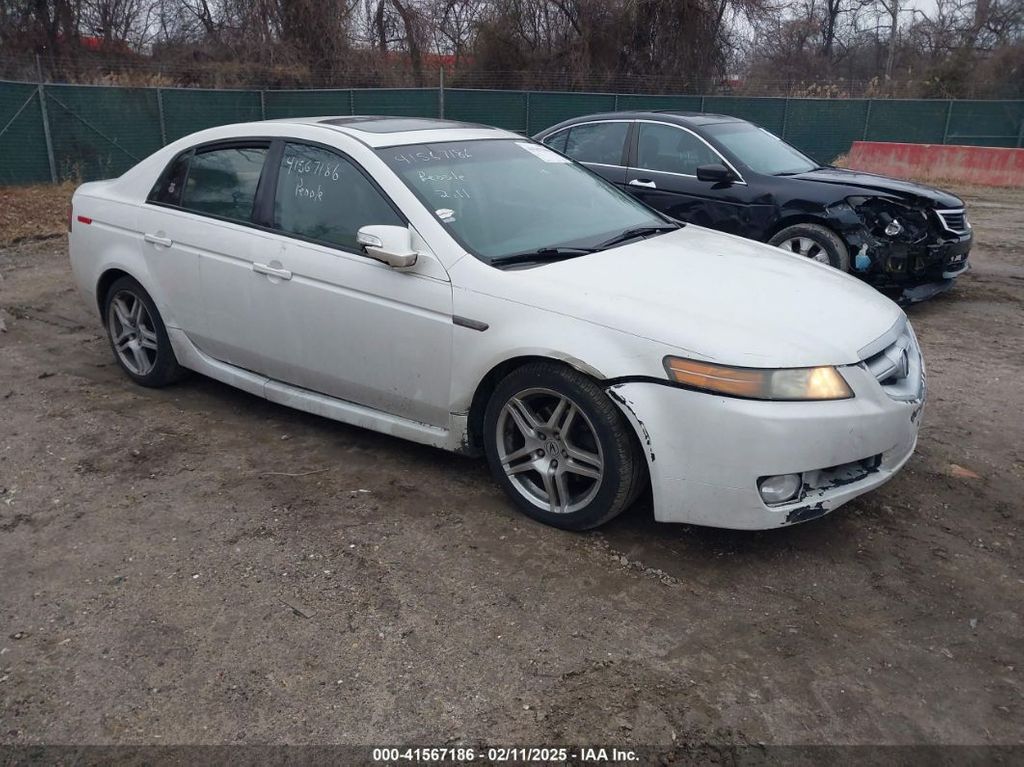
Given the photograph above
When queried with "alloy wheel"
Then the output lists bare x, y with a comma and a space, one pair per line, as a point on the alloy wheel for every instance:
805, 246
132, 332
549, 450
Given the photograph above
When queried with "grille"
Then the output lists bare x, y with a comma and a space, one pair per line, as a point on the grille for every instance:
953, 220
899, 367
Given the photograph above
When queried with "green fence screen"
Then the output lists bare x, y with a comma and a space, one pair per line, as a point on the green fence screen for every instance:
52, 132
23, 156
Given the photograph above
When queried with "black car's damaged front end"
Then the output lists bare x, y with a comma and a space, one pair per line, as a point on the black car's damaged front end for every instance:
907, 248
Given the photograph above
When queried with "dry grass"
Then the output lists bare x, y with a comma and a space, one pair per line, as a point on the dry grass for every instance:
33, 212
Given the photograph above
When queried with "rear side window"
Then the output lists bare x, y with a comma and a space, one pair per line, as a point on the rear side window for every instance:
322, 196
598, 142
222, 182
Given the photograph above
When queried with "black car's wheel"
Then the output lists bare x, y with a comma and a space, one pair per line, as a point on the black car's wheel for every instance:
815, 242
560, 447
138, 336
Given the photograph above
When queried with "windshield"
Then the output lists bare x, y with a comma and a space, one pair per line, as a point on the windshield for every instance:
501, 197
759, 150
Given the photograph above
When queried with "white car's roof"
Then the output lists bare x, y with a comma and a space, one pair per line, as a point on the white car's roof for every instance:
381, 131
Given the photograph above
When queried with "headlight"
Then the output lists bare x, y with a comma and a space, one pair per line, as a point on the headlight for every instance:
820, 383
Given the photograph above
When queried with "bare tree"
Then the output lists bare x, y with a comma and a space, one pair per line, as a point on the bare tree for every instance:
892, 8
819, 47
452, 24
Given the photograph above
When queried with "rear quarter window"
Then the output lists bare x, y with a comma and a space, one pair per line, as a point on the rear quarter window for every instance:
168, 187
557, 140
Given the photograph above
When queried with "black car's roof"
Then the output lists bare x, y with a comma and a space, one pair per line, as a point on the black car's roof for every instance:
696, 118
667, 115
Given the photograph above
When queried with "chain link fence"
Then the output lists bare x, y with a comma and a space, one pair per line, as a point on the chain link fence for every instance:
53, 132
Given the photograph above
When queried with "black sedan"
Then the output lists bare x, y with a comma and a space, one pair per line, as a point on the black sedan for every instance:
908, 240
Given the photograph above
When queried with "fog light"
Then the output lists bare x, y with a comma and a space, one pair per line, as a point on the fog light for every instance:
779, 488
894, 227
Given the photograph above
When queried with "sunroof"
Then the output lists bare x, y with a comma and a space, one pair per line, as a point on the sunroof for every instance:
376, 124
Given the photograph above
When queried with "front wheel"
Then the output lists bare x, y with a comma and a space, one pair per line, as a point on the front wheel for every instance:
815, 242
560, 447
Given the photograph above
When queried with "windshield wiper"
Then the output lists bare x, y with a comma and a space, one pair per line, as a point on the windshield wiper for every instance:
541, 255
798, 172
637, 231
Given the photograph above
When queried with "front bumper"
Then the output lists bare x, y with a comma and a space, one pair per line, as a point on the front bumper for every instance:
706, 452
924, 291
907, 266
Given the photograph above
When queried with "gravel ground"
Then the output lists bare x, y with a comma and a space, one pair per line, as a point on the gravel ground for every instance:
195, 565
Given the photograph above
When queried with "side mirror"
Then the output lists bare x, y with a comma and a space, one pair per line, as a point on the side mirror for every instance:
390, 244
717, 174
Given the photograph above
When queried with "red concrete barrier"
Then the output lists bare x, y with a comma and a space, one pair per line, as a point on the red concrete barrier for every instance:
985, 165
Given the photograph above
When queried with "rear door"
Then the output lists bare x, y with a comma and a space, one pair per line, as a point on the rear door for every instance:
202, 244
601, 146
663, 173
174, 266
218, 200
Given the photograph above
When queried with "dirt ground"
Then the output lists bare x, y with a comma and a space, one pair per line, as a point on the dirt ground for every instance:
33, 212
195, 565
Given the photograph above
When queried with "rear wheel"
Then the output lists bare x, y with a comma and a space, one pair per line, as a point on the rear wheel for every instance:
815, 242
560, 447
138, 336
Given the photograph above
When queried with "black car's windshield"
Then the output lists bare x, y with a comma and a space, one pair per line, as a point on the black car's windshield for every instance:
759, 150
505, 199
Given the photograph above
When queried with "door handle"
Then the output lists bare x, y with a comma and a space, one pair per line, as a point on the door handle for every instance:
156, 239
643, 182
281, 274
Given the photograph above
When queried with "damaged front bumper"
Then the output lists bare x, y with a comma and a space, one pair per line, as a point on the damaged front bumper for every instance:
706, 452
921, 261
918, 293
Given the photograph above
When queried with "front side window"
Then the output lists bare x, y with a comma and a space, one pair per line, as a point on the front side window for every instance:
222, 182
500, 197
324, 197
597, 142
672, 150
759, 150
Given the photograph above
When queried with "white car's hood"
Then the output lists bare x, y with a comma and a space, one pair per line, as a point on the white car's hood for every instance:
723, 298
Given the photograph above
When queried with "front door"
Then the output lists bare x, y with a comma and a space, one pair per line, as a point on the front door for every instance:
344, 324
663, 173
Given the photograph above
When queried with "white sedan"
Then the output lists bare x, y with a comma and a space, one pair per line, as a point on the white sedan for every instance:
466, 288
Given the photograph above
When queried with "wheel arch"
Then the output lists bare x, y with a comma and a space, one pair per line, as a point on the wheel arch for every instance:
107, 278
795, 219
488, 383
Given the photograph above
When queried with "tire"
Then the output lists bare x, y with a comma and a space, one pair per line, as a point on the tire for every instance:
814, 241
552, 431
137, 335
